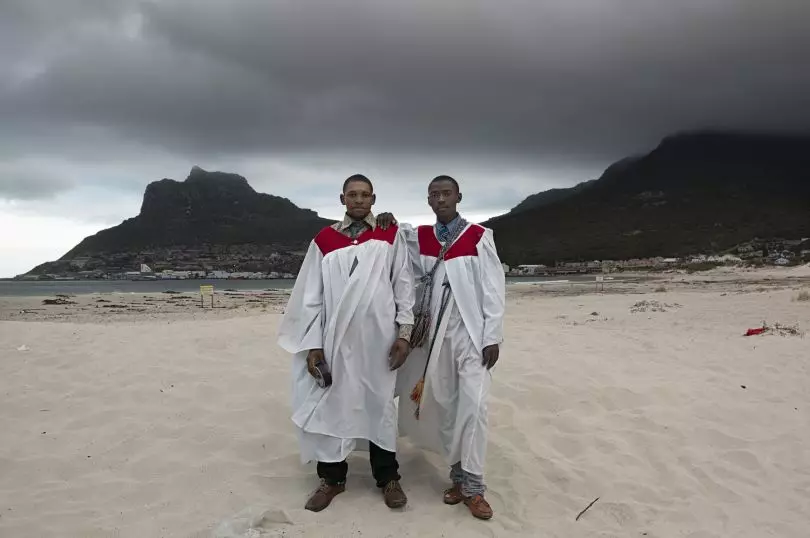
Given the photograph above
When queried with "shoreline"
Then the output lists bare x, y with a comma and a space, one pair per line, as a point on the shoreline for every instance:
132, 305
89, 287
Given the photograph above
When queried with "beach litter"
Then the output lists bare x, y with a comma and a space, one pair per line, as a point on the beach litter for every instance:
23, 348
778, 328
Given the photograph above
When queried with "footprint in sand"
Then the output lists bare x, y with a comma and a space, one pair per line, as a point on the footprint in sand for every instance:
744, 459
252, 522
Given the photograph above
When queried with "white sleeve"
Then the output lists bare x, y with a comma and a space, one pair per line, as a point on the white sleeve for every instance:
402, 280
411, 238
302, 326
493, 283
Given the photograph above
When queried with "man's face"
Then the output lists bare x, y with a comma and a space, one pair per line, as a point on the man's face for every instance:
358, 199
443, 197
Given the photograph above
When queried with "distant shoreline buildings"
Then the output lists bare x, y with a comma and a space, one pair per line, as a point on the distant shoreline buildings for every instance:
779, 252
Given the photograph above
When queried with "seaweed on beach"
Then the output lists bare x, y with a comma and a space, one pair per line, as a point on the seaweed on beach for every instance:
60, 300
652, 306
783, 330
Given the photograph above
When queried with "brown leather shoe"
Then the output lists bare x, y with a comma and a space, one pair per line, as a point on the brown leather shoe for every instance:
323, 496
479, 507
393, 495
453, 496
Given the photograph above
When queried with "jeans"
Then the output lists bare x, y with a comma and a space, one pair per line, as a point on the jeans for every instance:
471, 484
384, 468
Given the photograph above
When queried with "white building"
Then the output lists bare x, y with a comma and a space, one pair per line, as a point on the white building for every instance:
530, 269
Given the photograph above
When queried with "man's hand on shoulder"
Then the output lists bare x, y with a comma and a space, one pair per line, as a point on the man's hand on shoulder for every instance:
314, 357
491, 354
399, 352
386, 220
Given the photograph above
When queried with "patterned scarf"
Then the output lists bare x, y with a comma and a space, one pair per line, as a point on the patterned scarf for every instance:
356, 228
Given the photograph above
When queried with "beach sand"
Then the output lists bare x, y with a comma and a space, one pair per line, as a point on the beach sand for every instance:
169, 421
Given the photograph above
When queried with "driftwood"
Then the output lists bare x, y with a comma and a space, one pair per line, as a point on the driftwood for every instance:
586, 509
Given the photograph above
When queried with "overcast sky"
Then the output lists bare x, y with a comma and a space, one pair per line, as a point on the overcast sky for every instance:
100, 97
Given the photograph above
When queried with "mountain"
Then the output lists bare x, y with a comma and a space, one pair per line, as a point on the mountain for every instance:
211, 212
696, 192
542, 199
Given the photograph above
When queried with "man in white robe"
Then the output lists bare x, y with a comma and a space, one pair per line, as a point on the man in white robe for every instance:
351, 307
448, 373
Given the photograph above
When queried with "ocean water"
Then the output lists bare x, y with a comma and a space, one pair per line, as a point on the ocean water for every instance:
83, 287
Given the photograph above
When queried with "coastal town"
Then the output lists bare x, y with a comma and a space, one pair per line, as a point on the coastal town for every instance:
240, 264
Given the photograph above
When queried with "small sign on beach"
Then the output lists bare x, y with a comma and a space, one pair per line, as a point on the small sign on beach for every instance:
600, 281
206, 290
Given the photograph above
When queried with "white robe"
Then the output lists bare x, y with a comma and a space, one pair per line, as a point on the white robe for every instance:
348, 300
453, 413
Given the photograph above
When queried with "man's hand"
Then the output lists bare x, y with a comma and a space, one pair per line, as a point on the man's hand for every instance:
313, 357
385, 220
491, 355
399, 352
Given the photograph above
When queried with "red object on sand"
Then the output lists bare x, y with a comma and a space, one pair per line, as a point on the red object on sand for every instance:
754, 332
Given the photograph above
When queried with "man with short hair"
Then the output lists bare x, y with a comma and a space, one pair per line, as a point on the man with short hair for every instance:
350, 313
456, 338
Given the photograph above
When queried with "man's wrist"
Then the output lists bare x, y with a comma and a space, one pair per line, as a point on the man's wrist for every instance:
404, 332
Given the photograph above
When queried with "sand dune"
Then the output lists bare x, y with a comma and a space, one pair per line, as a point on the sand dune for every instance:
178, 426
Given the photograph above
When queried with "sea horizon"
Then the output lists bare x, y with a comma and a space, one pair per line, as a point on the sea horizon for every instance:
43, 288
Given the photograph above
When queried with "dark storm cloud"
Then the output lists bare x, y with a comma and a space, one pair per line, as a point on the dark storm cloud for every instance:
26, 181
529, 83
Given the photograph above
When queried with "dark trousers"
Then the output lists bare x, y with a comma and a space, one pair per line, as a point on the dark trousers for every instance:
384, 467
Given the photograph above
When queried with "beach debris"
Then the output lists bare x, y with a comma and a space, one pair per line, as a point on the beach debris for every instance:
23, 348
777, 328
786, 330
586, 509
60, 300
652, 306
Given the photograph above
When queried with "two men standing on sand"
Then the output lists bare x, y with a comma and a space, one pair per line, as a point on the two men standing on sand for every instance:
353, 307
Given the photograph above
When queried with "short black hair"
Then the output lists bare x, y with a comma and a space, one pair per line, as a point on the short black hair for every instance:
357, 177
445, 178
